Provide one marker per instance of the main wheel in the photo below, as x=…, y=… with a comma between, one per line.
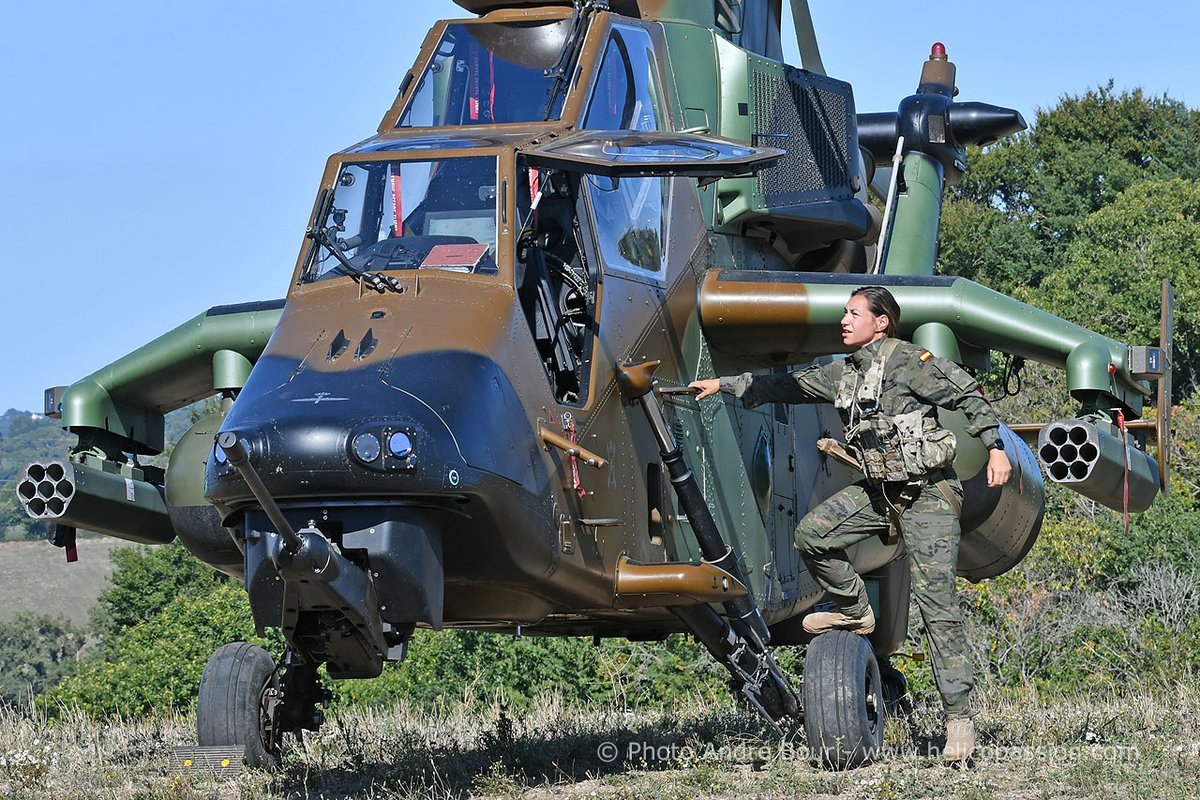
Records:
x=843, y=700
x=236, y=693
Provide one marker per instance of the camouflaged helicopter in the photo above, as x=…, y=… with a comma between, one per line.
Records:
x=471, y=409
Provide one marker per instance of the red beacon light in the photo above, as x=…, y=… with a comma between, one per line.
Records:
x=938, y=51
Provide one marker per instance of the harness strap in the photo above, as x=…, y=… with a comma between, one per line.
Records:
x=908, y=496
x=947, y=491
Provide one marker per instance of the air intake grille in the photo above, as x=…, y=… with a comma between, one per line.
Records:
x=810, y=116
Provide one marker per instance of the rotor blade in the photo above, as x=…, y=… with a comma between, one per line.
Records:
x=806, y=37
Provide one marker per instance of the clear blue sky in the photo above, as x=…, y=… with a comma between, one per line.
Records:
x=161, y=158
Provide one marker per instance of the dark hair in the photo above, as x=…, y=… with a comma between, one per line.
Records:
x=882, y=303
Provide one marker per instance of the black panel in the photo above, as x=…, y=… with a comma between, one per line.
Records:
x=812, y=117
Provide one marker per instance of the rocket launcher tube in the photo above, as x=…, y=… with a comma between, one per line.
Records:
x=1096, y=460
x=84, y=497
x=764, y=318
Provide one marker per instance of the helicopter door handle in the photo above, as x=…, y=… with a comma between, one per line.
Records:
x=604, y=522
x=678, y=396
x=551, y=439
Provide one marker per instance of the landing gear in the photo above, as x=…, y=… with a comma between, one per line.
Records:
x=843, y=700
x=895, y=690
x=246, y=702
x=237, y=697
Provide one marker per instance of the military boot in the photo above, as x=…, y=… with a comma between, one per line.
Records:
x=960, y=740
x=825, y=621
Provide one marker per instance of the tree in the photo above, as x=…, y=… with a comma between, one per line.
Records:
x=1078, y=158
x=1115, y=266
x=145, y=581
x=155, y=665
x=980, y=243
x=36, y=651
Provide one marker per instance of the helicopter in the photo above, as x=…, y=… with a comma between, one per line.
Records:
x=471, y=410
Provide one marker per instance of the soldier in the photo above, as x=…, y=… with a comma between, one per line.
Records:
x=888, y=392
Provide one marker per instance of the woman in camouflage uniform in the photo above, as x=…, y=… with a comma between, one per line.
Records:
x=888, y=392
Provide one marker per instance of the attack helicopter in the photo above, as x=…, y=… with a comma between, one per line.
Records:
x=471, y=408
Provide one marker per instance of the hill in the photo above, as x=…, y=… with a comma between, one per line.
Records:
x=35, y=577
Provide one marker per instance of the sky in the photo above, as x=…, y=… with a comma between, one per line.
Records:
x=157, y=159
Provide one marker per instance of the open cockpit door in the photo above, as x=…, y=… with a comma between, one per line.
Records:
x=618, y=154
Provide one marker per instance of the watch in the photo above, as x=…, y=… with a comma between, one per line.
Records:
x=996, y=445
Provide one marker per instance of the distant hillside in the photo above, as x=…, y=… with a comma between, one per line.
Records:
x=35, y=577
x=16, y=415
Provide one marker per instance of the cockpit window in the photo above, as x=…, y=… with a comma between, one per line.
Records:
x=485, y=73
x=388, y=215
x=625, y=96
x=629, y=215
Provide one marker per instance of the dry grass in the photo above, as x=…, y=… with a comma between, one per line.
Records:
x=1032, y=747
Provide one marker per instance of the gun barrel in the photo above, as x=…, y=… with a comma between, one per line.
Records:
x=239, y=456
x=61, y=491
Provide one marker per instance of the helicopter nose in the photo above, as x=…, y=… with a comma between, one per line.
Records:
x=426, y=424
x=321, y=455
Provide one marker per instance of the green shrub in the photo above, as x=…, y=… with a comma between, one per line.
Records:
x=36, y=651
x=155, y=666
x=145, y=580
x=449, y=665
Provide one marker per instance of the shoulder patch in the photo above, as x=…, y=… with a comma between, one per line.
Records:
x=925, y=356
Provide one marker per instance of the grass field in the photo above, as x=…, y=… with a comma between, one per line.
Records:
x=34, y=576
x=1031, y=748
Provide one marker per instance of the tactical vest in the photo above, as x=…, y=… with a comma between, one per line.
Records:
x=903, y=447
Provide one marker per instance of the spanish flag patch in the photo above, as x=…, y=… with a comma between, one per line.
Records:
x=925, y=356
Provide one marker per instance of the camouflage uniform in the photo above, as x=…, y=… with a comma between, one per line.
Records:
x=913, y=381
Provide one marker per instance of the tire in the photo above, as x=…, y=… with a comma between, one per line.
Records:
x=843, y=701
x=232, y=708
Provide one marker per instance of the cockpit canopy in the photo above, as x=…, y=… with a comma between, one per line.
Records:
x=487, y=73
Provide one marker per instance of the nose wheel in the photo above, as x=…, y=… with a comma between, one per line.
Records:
x=238, y=691
x=844, y=700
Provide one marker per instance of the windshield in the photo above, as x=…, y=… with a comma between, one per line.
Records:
x=388, y=215
x=484, y=73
